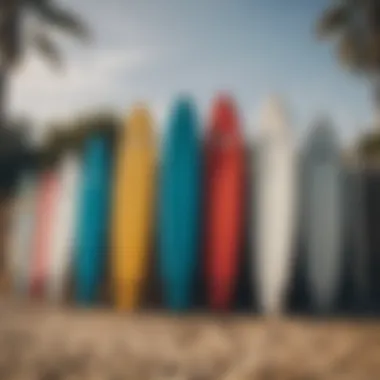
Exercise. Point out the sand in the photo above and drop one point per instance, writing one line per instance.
(37, 342)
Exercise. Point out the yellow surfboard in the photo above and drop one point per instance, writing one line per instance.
(133, 208)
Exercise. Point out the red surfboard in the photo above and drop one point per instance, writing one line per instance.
(46, 201)
(224, 202)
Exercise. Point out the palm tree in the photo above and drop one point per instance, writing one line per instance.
(16, 33)
(23, 24)
(354, 25)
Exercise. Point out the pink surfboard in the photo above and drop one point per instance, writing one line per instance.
(46, 201)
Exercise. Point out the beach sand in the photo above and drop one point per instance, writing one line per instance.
(37, 342)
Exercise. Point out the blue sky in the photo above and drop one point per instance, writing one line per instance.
(153, 50)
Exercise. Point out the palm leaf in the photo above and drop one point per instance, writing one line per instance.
(47, 48)
(369, 147)
(374, 51)
(333, 20)
(104, 122)
(373, 12)
(10, 39)
(349, 55)
(59, 17)
(53, 147)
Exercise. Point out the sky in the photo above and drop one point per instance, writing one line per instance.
(156, 50)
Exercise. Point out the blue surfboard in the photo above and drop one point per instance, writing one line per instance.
(93, 218)
(323, 216)
(178, 208)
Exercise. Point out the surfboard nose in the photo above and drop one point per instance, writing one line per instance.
(183, 120)
(274, 115)
(224, 117)
(139, 123)
(183, 108)
(322, 131)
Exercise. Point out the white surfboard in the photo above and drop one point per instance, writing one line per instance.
(60, 259)
(274, 208)
(19, 250)
(322, 221)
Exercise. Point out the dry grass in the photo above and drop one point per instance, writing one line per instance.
(36, 343)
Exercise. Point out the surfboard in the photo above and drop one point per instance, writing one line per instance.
(224, 183)
(178, 209)
(322, 222)
(92, 230)
(274, 211)
(367, 218)
(372, 210)
(355, 243)
(47, 197)
(133, 208)
(19, 252)
(364, 210)
(62, 242)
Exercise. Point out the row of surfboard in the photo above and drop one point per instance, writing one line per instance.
(105, 207)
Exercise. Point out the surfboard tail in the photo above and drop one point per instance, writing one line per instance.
(56, 288)
(87, 291)
(178, 296)
(127, 295)
(85, 296)
(272, 297)
(324, 295)
(37, 287)
(220, 296)
(273, 306)
(323, 305)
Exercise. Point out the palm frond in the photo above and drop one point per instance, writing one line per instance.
(369, 146)
(60, 18)
(52, 148)
(10, 38)
(363, 56)
(349, 54)
(373, 11)
(374, 51)
(47, 48)
(104, 122)
(333, 20)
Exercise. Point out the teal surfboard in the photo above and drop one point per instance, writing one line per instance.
(93, 219)
(323, 215)
(178, 209)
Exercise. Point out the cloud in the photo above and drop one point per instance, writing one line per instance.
(44, 93)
